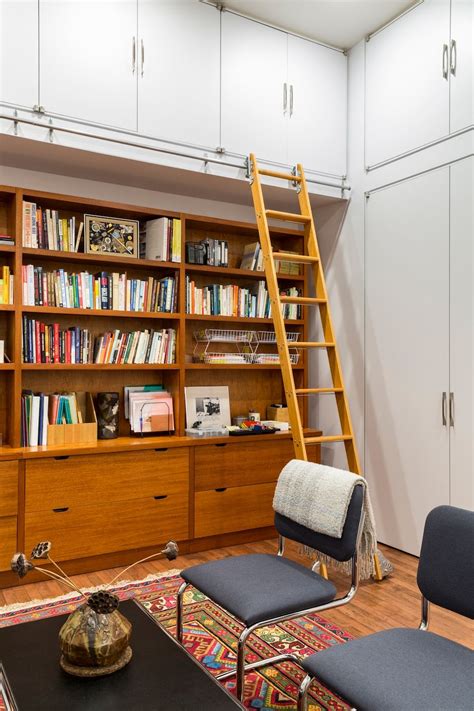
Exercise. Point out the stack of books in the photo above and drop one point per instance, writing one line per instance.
(7, 284)
(103, 291)
(213, 252)
(252, 257)
(149, 408)
(38, 410)
(284, 267)
(148, 346)
(44, 229)
(160, 240)
(6, 241)
(48, 343)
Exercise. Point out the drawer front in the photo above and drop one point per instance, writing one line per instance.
(121, 476)
(254, 462)
(8, 488)
(92, 530)
(7, 541)
(233, 509)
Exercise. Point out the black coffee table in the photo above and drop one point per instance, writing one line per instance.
(162, 676)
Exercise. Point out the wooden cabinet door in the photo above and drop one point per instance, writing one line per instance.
(407, 96)
(461, 330)
(179, 71)
(462, 64)
(317, 123)
(237, 508)
(254, 72)
(88, 60)
(19, 52)
(407, 355)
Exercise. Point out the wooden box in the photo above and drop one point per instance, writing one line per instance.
(278, 414)
(76, 434)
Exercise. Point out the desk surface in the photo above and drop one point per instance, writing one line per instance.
(160, 677)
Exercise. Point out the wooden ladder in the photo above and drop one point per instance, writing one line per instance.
(310, 258)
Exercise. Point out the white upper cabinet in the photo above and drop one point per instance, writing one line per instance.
(407, 82)
(89, 60)
(462, 64)
(179, 71)
(19, 64)
(317, 125)
(254, 89)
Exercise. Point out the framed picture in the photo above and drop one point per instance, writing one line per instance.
(7, 700)
(207, 408)
(110, 235)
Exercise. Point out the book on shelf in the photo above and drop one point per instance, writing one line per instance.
(235, 301)
(160, 240)
(6, 241)
(286, 267)
(140, 347)
(209, 251)
(48, 343)
(45, 229)
(252, 257)
(7, 285)
(102, 291)
(39, 411)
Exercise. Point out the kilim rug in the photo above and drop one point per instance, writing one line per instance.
(211, 636)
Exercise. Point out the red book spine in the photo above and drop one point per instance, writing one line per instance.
(56, 342)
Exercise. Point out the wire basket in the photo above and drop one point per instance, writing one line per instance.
(225, 358)
(273, 358)
(223, 336)
(270, 336)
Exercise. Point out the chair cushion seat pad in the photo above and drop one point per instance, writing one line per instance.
(397, 670)
(260, 586)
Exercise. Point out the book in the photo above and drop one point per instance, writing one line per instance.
(7, 285)
(161, 240)
(46, 229)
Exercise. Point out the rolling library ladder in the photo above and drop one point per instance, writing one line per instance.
(311, 258)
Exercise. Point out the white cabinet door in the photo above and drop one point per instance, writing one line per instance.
(461, 327)
(317, 124)
(254, 71)
(407, 355)
(407, 96)
(462, 64)
(19, 52)
(179, 71)
(86, 60)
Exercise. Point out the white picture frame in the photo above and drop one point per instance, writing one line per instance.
(207, 407)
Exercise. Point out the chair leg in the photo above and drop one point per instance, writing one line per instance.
(240, 682)
(303, 693)
(179, 612)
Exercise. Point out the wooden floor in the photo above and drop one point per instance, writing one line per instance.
(395, 602)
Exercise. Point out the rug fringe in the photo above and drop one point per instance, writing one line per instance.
(27, 604)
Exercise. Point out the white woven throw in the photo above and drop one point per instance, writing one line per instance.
(317, 496)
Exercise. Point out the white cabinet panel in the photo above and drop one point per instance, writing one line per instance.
(179, 71)
(461, 327)
(254, 69)
(317, 125)
(407, 355)
(86, 60)
(462, 64)
(19, 64)
(407, 97)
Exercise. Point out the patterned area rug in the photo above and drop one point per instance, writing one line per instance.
(211, 636)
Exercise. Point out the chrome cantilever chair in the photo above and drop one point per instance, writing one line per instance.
(263, 589)
(401, 669)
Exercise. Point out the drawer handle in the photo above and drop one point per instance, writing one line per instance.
(161, 496)
(161, 449)
(221, 444)
(223, 488)
(64, 456)
(61, 510)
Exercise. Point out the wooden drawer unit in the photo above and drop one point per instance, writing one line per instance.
(8, 488)
(89, 479)
(225, 510)
(83, 531)
(7, 541)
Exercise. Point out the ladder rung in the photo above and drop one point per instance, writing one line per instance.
(311, 391)
(282, 176)
(311, 344)
(301, 300)
(287, 216)
(327, 438)
(289, 257)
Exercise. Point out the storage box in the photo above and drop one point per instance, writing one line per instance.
(84, 433)
(279, 414)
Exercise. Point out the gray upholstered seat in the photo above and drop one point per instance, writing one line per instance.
(398, 670)
(269, 586)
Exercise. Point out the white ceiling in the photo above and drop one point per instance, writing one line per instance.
(340, 23)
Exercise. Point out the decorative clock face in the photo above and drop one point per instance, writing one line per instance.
(105, 235)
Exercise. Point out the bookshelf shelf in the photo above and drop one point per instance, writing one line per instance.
(99, 366)
(7, 366)
(237, 366)
(108, 261)
(9, 249)
(241, 319)
(7, 307)
(241, 273)
(100, 312)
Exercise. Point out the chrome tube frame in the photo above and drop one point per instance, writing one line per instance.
(425, 614)
(179, 612)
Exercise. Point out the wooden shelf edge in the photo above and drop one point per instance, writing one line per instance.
(238, 366)
(97, 259)
(240, 273)
(100, 312)
(100, 366)
(240, 319)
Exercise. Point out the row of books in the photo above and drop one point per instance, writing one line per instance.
(232, 300)
(148, 346)
(6, 241)
(38, 410)
(7, 285)
(252, 258)
(160, 240)
(107, 291)
(213, 252)
(44, 229)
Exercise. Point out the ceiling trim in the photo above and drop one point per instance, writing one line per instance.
(394, 19)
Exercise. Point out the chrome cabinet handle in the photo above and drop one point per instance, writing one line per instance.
(453, 58)
(451, 409)
(285, 97)
(143, 57)
(134, 55)
(443, 410)
(445, 61)
(291, 99)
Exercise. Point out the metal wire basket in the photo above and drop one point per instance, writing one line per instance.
(273, 358)
(223, 336)
(227, 358)
(270, 336)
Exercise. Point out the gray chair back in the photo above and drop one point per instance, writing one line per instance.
(446, 568)
(341, 549)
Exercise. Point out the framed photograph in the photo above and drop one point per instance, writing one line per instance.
(7, 700)
(111, 235)
(207, 408)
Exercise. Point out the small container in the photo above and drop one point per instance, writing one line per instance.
(254, 416)
(237, 421)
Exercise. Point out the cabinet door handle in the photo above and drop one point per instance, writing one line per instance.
(221, 444)
(453, 57)
(134, 54)
(221, 489)
(143, 56)
(291, 99)
(285, 97)
(443, 410)
(451, 409)
(161, 449)
(161, 496)
(445, 61)
(62, 458)
(61, 510)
